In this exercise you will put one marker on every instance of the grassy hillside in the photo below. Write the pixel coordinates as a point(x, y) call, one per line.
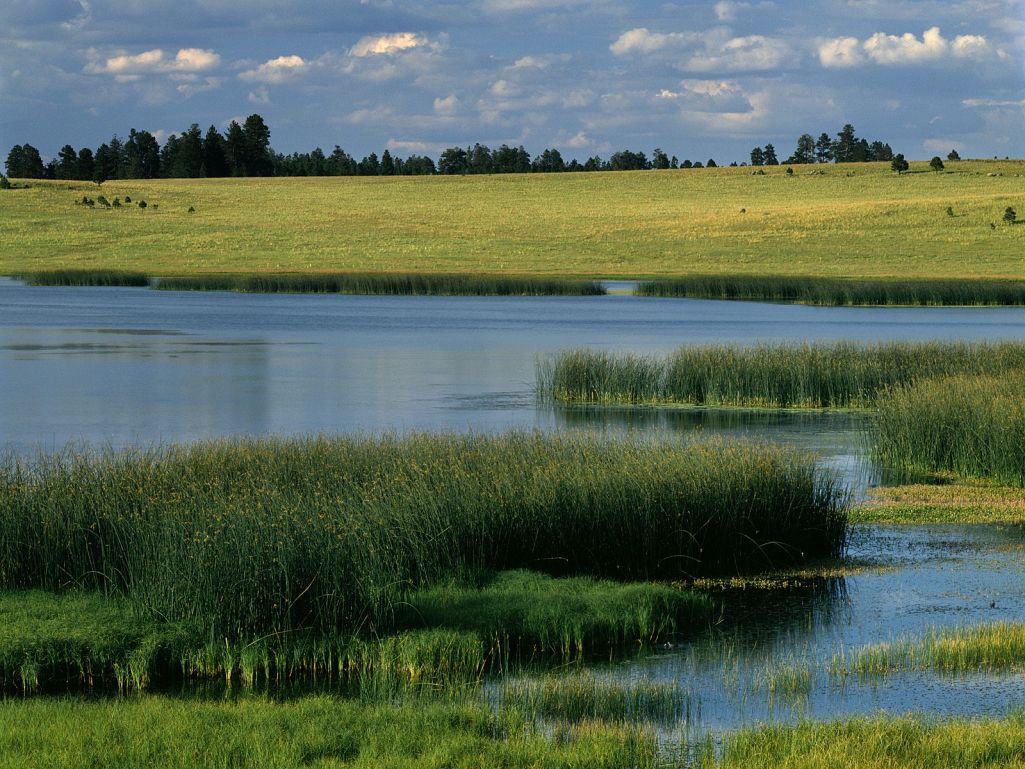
point(857, 221)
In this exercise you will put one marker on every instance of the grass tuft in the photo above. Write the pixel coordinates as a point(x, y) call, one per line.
point(96, 278)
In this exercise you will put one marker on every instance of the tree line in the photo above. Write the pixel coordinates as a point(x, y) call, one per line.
point(845, 148)
point(244, 150)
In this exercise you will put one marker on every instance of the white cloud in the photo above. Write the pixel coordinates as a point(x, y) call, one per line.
point(943, 146)
point(386, 44)
point(643, 40)
point(530, 5)
point(407, 146)
point(894, 50)
point(841, 53)
point(530, 62)
point(578, 141)
point(276, 70)
point(710, 87)
point(754, 52)
point(259, 95)
point(993, 103)
point(154, 61)
point(192, 86)
point(447, 105)
point(726, 10)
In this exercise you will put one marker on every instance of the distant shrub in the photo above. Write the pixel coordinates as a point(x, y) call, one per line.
point(5, 183)
point(142, 204)
point(1010, 215)
point(154, 206)
point(790, 171)
point(102, 200)
point(192, 210)
point(116, 203)
point(128, 199)
point(936, 164)
point(950, 211)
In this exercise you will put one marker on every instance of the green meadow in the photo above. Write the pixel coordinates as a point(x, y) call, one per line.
point(860, 220)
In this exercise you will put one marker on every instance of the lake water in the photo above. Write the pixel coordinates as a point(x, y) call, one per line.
point(126, 366)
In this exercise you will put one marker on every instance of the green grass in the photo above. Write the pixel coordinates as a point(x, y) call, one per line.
point(883, 742)
point(961, 502)
point(529, 611)
point(381, 283)
point(998, 646)
point(968, 426)
point(806, 289)
point(317, 732)
point(823, 375)
point(590, 696)
point(254, 536)
point(84, 278)
point(643, 224)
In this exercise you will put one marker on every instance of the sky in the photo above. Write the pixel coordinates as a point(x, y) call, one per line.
point(699, 80)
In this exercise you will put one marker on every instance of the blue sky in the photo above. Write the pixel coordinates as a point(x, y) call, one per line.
point(700, 80)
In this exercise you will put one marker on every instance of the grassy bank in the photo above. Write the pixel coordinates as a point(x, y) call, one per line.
point(999, 646)
point(644, 224)
point(840, 291)
point(962, 502)
point(396, 284)
point(964, 425)
point(280, 535)
point(827, 375)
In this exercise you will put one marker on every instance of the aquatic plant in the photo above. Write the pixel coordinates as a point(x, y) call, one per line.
point(253, 536)
point(84, 278)
point(818, 290)
point(822, 375)
point(385, 283)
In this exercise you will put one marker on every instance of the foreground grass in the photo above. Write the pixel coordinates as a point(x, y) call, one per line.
point(961, 502)
point(825, 375)
point(877, 743)
point(311, 732)
point(718, 221)
point(254, 537)
point(998, 646)
point(968, 426)
point(840, 291)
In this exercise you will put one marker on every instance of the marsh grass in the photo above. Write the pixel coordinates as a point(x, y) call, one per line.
point(422, 284)
point(969, 426)
point(530, 612)
point(84, 278)
point(873, 743)
point(251, 537)
point(998, 646)
point(315, 731)
point(960, 502)
point(823, 375)
point(807, 289)
point(590, 696)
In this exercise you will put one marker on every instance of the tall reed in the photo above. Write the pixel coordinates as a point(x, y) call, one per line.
point(417, 284)
point(840, 291)
point(822, 375)
point(84, 278)
point(255, 535)
point(966, 425)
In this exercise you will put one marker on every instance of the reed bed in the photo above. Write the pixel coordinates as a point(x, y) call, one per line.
point(253, 536)
point(314, 731)
point(965, 425)
point(997, 646)
point(823, 375)
point(407, 284)
point(817, 290)
point(95, 278)
point(530, 612)
point(589, 696)
point(873, 743)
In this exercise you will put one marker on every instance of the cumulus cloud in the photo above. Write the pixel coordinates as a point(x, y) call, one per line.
point(643, 40)
point(894, 50)
point(726, 10)
point(382, 45)
point(276, 70)
point(578, 141)
point(154, 61)
point(447, 105)
point(259, 95)
point(754, 52)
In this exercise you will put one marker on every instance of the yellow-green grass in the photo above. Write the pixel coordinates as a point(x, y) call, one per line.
point(317, 732)
point(883, 742)
point(997, 646)
point(961, 502)
point(853, 221)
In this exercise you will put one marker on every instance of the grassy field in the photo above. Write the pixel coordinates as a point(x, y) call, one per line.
point(852, 221)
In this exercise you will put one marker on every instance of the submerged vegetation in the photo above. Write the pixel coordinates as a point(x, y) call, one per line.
point(960, 502)
point(386, 283)
point(84, 278)
point(277, 536)
point(806, 289)
point(824, 375)
point(970, 426)
point(998, 646)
